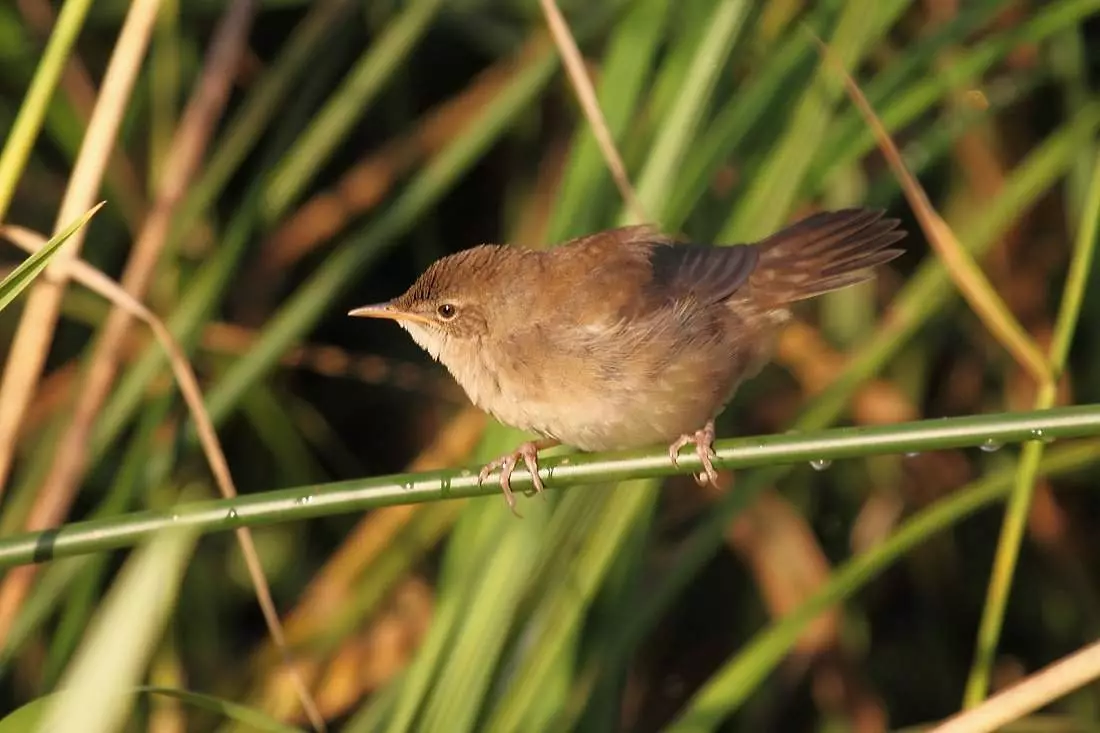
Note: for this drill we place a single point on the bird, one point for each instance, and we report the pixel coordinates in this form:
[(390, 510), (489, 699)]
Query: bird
[(628, 337)]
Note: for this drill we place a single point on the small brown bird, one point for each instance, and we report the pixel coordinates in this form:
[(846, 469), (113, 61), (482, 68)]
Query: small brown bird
[(625, 338)]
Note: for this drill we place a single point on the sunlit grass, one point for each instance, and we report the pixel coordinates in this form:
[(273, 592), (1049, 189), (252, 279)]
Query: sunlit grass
[(454, 616)]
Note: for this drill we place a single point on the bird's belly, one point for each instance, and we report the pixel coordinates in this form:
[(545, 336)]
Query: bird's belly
[(643, 385), (618, 415)]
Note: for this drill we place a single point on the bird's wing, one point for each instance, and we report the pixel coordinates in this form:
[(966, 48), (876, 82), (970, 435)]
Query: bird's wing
[(632, 272), (701, 272)]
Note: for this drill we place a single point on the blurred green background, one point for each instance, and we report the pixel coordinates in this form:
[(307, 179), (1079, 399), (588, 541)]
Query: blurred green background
[(362, 140)]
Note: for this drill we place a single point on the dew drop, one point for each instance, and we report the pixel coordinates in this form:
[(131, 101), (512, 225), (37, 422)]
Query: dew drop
[(820, 464), (175, 517), (991, 446), (232, 515), (1041, 435), (913, 454), (407, 486), (466, 473)]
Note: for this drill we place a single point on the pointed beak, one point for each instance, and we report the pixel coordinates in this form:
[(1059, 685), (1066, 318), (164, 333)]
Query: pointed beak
[(388, 311)]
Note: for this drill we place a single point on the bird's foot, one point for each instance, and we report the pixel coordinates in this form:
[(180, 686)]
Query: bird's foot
[(529, 453), (703, 440)]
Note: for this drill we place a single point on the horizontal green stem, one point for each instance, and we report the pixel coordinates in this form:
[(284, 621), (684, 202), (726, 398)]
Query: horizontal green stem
[(356, 495)]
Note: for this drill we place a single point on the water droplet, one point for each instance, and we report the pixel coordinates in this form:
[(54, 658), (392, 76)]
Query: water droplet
[(303, 500), (913, 454), (466, 473), (232, 515), (407, 486), (991, 446), (565, 461), (820, 464), (1041, 435), (175, 517)]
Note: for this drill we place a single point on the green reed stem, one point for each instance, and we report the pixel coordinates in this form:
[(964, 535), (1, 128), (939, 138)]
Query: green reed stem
[(357, 495)]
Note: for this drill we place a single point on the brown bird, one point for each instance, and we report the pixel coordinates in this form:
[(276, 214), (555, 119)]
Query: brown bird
[(625, 338)]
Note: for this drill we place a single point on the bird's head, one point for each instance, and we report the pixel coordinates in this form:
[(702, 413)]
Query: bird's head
[(451, 305)]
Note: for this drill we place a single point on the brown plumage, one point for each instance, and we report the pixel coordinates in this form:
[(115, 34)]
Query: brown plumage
[(626, 338)]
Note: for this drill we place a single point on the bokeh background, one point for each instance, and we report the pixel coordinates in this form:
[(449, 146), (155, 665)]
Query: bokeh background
[(358, 142)]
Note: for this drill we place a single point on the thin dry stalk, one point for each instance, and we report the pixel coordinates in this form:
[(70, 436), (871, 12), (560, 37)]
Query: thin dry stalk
[(1028, 695), (962, 268), (99, 283), (203, 110), (36, 327), (80, 90), (586, 95)]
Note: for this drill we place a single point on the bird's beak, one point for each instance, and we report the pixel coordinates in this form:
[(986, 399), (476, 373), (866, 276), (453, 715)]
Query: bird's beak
[(387, 310)]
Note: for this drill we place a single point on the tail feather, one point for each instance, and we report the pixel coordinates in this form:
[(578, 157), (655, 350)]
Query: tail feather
[(822, 253)]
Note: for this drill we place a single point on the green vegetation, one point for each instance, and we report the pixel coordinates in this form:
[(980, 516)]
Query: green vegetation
[(869, 566)]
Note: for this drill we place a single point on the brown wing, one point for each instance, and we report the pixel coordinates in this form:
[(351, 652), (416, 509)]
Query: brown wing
[(701, 272), (634, 270)]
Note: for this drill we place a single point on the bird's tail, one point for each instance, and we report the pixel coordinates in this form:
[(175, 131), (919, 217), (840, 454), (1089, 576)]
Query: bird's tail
[(824, 252)]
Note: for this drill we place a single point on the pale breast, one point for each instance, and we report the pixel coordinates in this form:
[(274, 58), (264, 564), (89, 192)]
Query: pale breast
[(609, 386)]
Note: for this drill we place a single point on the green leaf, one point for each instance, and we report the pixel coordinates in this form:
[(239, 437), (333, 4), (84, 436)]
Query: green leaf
[(18, 280), (30, 716), (121, 638)]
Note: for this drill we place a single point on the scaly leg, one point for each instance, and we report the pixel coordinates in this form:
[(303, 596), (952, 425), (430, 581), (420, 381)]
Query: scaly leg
[(529, 452), (703, 440)]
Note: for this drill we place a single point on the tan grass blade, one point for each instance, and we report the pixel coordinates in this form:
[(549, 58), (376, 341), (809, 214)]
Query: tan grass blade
[(968, 276), (1028, 695)]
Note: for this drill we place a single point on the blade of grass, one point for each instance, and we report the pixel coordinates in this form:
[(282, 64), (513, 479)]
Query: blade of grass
[(376, 66), (164, 83), (766, 203), (245, 129), (22, 276), (121, 638), (679, 130), (728, 688), (558, 620), (28, 122), (29, 717), (905, 105), (1019, 504), (304, 502), (482, 633), (742, 113)]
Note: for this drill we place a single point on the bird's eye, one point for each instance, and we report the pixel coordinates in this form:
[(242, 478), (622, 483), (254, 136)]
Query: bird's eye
[(446, 311)]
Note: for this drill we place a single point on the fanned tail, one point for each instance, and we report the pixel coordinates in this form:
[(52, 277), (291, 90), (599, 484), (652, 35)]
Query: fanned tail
[(824, 252)]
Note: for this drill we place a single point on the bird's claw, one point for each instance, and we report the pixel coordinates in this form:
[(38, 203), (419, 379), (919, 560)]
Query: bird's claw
[(529, 452), (703, 440)]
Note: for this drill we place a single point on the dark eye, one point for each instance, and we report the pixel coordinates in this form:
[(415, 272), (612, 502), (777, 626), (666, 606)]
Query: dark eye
[(446, 311)]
